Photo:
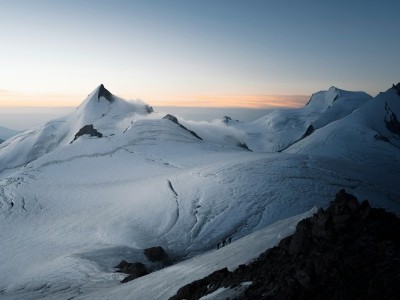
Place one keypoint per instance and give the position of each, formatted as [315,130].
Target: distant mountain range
[114,177]
[6,133]
[282,128]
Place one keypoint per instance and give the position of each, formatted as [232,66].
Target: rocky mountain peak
[103,92]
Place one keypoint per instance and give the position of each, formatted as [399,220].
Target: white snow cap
[102,102]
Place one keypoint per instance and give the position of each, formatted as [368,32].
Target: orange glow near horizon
[242,101]
[14,99]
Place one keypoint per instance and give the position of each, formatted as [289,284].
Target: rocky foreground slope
[348,251]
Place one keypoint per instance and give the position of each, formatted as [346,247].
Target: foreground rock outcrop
[138,269]
[174,119]
[348,251]
[156,254]
[89,130]
[135,270]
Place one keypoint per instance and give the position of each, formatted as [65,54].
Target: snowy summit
[113,178]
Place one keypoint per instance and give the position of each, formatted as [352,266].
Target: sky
[209,53]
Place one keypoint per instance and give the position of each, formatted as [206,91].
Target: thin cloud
[216,132]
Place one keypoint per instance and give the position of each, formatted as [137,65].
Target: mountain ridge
[131,180]
[282,128]
[361,135]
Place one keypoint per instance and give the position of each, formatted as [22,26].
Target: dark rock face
[309,130]
[138,269]
[197,289]
[135,270]
[156,254]
[243,145]
[172,119]
[227,120]
[175,120]
[87,129]
[348,251]
[397,88]
[149,109]
[391,120]
[103,92]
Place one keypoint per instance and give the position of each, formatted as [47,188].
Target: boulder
[155,254]
[135,270]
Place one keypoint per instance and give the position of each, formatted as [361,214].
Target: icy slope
[283,127]
[370,135]
[165,283]
[71,221]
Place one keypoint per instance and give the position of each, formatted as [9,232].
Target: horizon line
[248,101]
[9,98]
[177,106]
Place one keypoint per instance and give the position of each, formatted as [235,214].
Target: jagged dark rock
[135,270]
[227,120]
[348,251]
[149,109]
[197,289]
[310,129]
[138,269]
[243,145]
[87,129]
[121,265]
[156,254]
[391,121]
[172,119]
[175,120]
[397,88]
[103,92]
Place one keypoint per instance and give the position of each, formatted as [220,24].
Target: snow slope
[72,206]
[283,127]
[165,283]
[370,135]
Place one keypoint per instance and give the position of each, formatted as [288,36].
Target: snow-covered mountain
[112,178]
[103,111]
[282,127]
[370,134]
[6,133]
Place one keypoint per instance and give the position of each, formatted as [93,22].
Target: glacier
[72,206]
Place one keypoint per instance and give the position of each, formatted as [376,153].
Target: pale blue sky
[172,52]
